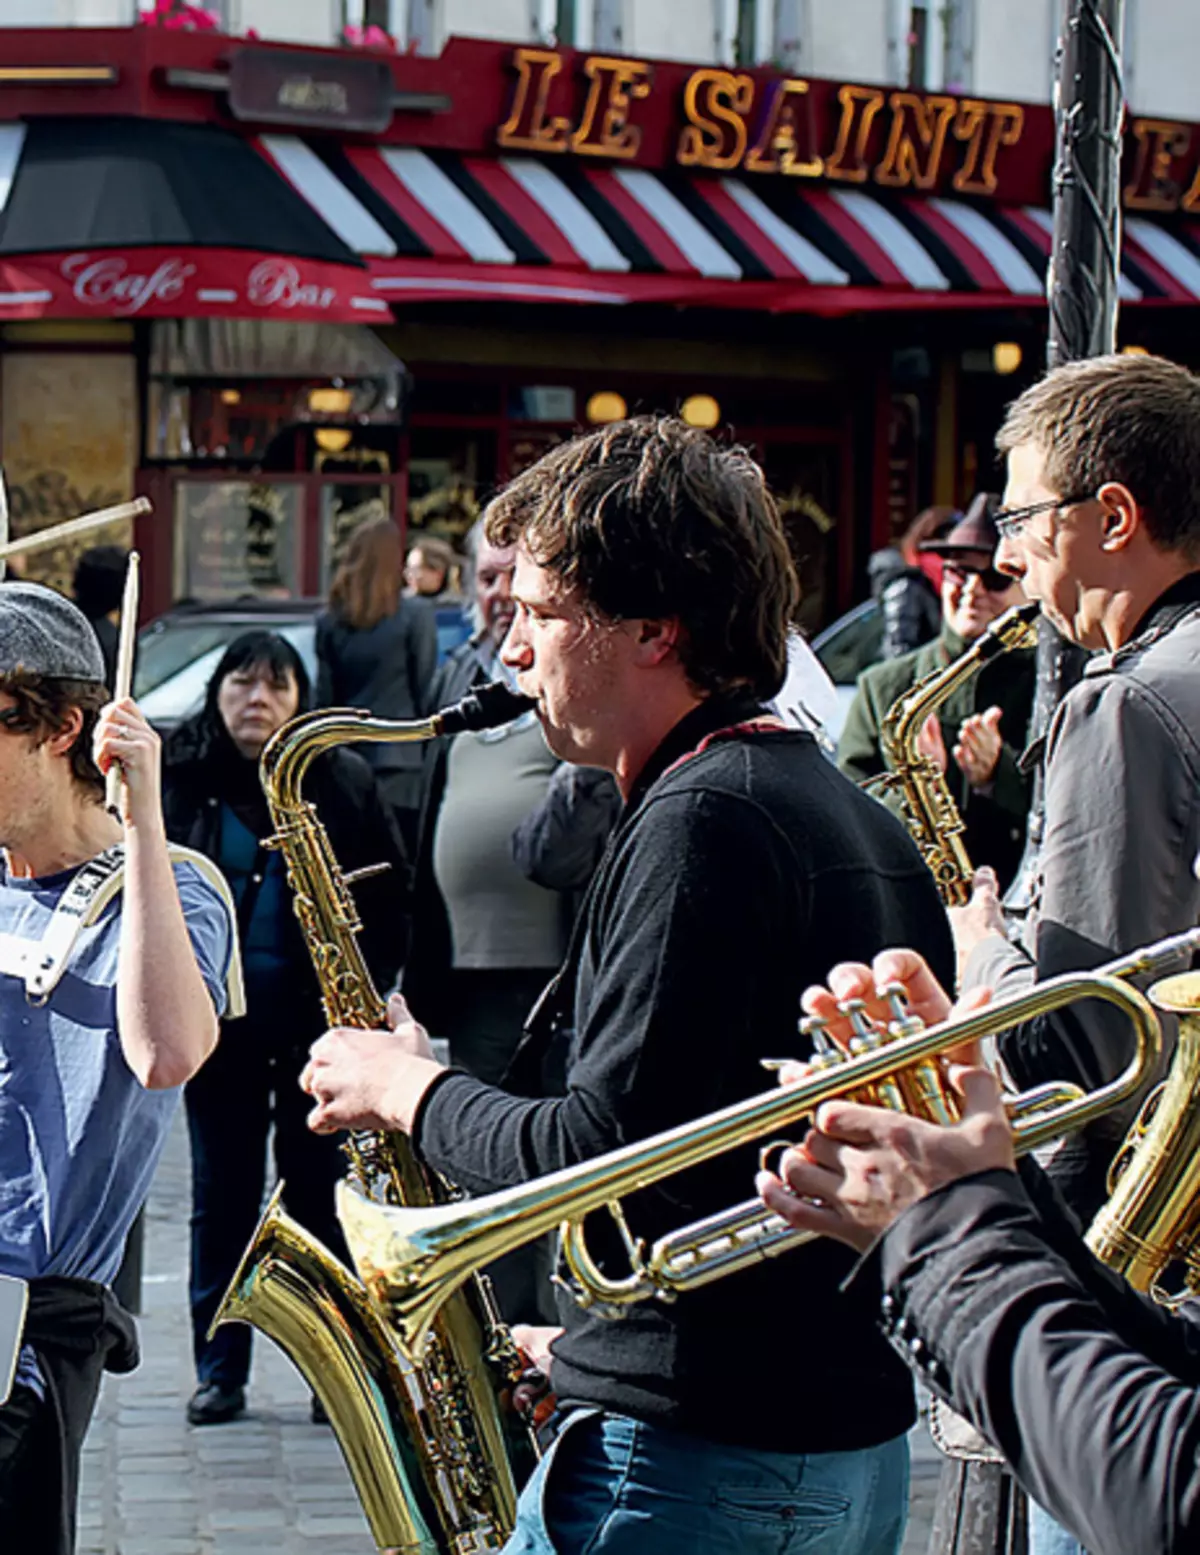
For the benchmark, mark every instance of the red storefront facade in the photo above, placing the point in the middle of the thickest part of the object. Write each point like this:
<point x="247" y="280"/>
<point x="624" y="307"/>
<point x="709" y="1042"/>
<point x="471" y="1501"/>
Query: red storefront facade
<point x="327" y="284"/>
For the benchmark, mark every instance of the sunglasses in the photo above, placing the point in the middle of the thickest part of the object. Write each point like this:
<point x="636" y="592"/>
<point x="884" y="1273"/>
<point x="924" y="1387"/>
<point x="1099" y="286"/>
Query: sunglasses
<point x="994" y="582"/>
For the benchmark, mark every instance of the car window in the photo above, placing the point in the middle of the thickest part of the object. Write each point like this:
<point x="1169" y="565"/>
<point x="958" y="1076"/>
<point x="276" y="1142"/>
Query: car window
<point x="852" y="643"/>
<point x="168" y="647"/>
<point x="179" y="673"/>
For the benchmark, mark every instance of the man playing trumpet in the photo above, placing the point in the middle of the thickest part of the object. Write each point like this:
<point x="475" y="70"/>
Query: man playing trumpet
<point x="1091" y="1391"/>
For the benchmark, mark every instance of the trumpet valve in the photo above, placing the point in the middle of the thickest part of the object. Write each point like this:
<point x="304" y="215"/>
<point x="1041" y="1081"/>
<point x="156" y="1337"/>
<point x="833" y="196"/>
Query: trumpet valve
<point x="869" y="1038"/>
<point x="814" y="1030"/>
<point x="903" y="1022"/>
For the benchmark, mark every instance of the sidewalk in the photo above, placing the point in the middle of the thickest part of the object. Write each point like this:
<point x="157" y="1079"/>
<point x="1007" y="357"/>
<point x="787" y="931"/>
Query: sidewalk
<point x="153" y="1485"/>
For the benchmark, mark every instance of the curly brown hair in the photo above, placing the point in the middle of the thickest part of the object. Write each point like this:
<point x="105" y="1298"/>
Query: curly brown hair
<point x="43" y="708"/>
<point x="650" y="518"/>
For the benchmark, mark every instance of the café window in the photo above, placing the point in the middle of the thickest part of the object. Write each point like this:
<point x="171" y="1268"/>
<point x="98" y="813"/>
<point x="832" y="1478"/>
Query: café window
<point x="233" y="390"/>
<point x="235" y="538"/>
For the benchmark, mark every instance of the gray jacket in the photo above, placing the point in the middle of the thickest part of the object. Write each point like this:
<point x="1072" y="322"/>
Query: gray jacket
<point x="1122" y="835"/>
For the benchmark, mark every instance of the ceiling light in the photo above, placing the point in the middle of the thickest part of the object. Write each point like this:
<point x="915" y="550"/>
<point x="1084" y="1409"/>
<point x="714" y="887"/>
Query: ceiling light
<point x="701" y="410"/>
<point x="606" y="406"/>
<point x="1006" y="356"/>
<point x="330" y="402"/>
<point x="333" y="439"/>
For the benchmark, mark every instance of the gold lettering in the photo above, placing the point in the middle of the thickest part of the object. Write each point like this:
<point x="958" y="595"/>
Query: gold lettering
<point x="1161" y="143"/>
<point x="615" y="84"/>
<point x="1191" y="200"/>
<point x="527" y="127"/>
<point x="715" y="103"/>
<point x="985" y="127"/>
<point x="777" y="149"/>
<point x="930" y="117"/>
<point x="860" y="104"/>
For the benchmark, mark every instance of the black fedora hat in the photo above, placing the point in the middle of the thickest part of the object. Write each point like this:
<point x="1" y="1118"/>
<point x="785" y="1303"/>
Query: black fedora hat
<point x="975" y="531"/>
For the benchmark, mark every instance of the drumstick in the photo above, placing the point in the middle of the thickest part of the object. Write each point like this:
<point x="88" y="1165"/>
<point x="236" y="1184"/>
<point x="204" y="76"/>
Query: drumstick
<point x="74" y="526"/>
<point x="124" y="675"/>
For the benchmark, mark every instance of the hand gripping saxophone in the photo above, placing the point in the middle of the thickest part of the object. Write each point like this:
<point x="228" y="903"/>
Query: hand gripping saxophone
<point x="930" y="813"/>
<point x="428" y="1445"/>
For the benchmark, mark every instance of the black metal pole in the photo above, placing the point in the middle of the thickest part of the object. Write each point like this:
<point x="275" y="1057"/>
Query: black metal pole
<point x="1082" y="293"/>
<point x="1081" y="284"/>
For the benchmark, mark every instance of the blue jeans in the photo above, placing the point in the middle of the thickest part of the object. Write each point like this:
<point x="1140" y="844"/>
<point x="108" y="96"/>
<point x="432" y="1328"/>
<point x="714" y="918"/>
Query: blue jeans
<point x="615" y="1486"/>
<point x="1046" y="1537"/>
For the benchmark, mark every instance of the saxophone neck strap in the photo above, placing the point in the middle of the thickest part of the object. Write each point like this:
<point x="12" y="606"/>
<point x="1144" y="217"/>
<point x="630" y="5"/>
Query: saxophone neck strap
<point x="41" y="963"/>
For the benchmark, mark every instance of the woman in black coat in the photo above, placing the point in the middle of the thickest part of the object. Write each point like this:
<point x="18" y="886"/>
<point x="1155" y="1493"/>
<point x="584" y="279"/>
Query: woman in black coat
<point x="213" y="801"/>
<point x="378" y="651"/>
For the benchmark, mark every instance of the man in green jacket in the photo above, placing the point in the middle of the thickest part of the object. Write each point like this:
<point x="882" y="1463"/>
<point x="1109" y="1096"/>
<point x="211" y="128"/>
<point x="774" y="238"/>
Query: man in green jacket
<point x="980" y="730"/>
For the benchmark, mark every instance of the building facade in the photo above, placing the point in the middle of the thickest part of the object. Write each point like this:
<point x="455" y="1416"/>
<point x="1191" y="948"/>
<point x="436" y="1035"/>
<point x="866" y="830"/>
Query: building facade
<point x="376" y="259"/>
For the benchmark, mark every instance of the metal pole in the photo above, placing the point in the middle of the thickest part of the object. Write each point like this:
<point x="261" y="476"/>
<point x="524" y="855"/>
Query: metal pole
<point x="1081" y="289"/>
<point x="1081" y="284"/>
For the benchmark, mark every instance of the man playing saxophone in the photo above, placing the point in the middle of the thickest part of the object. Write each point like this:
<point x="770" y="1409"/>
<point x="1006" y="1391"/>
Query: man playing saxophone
<point x="653" y="590"/>
<point x="980" y="730"/>
<point x="1102" y="527"/>
<point x="1090" y="1390"/>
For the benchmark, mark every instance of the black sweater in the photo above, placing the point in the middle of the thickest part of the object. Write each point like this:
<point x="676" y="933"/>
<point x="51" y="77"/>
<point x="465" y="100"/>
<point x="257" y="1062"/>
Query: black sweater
<point x="735" y="878"/>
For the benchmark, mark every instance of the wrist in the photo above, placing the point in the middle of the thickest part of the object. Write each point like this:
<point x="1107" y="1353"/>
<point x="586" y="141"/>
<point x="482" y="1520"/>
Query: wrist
<point x="406" y="1091"/>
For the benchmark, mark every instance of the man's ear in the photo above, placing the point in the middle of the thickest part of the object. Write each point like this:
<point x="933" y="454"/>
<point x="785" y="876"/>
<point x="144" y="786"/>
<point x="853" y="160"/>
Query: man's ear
<point x="60" y="743"/>
<point x="1121" y="517"/>
<point x="657" y="640"/>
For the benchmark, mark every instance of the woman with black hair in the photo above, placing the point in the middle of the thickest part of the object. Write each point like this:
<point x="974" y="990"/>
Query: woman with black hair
<point x="213" y="802"/>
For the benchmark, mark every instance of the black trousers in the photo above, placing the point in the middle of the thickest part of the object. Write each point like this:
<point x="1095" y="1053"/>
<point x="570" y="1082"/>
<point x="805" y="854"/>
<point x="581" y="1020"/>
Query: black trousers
<point x="77" y="1330"/>
<point x="249" y="1086"/>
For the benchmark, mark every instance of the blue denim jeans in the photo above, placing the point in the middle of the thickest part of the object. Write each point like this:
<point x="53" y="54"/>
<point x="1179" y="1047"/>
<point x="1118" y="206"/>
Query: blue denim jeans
<point x="1046" y="1537"/>
<point x="615" y="1486"/>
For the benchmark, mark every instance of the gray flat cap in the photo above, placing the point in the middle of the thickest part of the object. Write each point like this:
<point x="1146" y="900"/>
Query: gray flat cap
<point x="45" y="634"/>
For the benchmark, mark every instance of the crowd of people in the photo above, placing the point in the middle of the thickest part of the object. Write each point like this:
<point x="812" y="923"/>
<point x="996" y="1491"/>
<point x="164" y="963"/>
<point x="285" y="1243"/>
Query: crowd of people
<point x="611" y="909"/>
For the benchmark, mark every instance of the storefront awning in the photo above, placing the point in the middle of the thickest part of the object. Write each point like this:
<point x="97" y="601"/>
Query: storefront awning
<point x="112" y="217"/>
<point x="436" y="225"/>
<point x="119" y="218"/>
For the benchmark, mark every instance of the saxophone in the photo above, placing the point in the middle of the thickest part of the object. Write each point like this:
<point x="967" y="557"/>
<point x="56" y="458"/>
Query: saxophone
<point x="926" y="803"/>
<point x="430" y="1448"/>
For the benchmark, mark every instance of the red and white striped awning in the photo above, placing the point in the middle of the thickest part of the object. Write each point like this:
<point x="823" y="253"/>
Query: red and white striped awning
<point x="97" y="216"/>
<point x="436" y="225"/>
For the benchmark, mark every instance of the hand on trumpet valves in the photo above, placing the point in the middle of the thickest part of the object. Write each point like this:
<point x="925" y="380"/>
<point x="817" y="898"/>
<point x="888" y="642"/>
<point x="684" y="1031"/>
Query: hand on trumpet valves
<point x="861" y="1167"/>
<point x="124" y="735"/>
<point x="980" y="918"/>
<point x="370" y="1079"/>
<point x="898" y="984"/>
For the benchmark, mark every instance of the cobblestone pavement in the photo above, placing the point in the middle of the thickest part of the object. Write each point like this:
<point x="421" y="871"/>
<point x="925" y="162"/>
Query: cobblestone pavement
<point x="153" y="1485"/>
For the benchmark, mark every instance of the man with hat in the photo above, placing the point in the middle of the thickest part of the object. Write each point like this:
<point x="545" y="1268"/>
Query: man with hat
<point x="113" y="962"/>
<point x="979" y="731"/>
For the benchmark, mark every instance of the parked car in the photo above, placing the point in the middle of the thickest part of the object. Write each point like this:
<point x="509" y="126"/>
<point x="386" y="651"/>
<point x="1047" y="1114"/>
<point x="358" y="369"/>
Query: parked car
<point x="178" y="652"/>
<point x="845" y="649"/>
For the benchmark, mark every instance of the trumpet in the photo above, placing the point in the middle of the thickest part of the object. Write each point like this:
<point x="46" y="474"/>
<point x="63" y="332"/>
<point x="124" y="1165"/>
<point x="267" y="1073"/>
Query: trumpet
<point x="411" y="1260"/>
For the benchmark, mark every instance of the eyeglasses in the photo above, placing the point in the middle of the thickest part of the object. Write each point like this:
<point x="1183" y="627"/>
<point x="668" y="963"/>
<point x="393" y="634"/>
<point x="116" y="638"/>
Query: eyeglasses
<point x="994" y="582"/>
<point x="1008" y="521"/>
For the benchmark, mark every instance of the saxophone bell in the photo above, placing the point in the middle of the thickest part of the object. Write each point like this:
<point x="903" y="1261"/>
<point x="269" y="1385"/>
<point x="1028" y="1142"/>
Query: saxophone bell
<point x="433" y="1450"/>
<point x="1152" y="1218"/>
